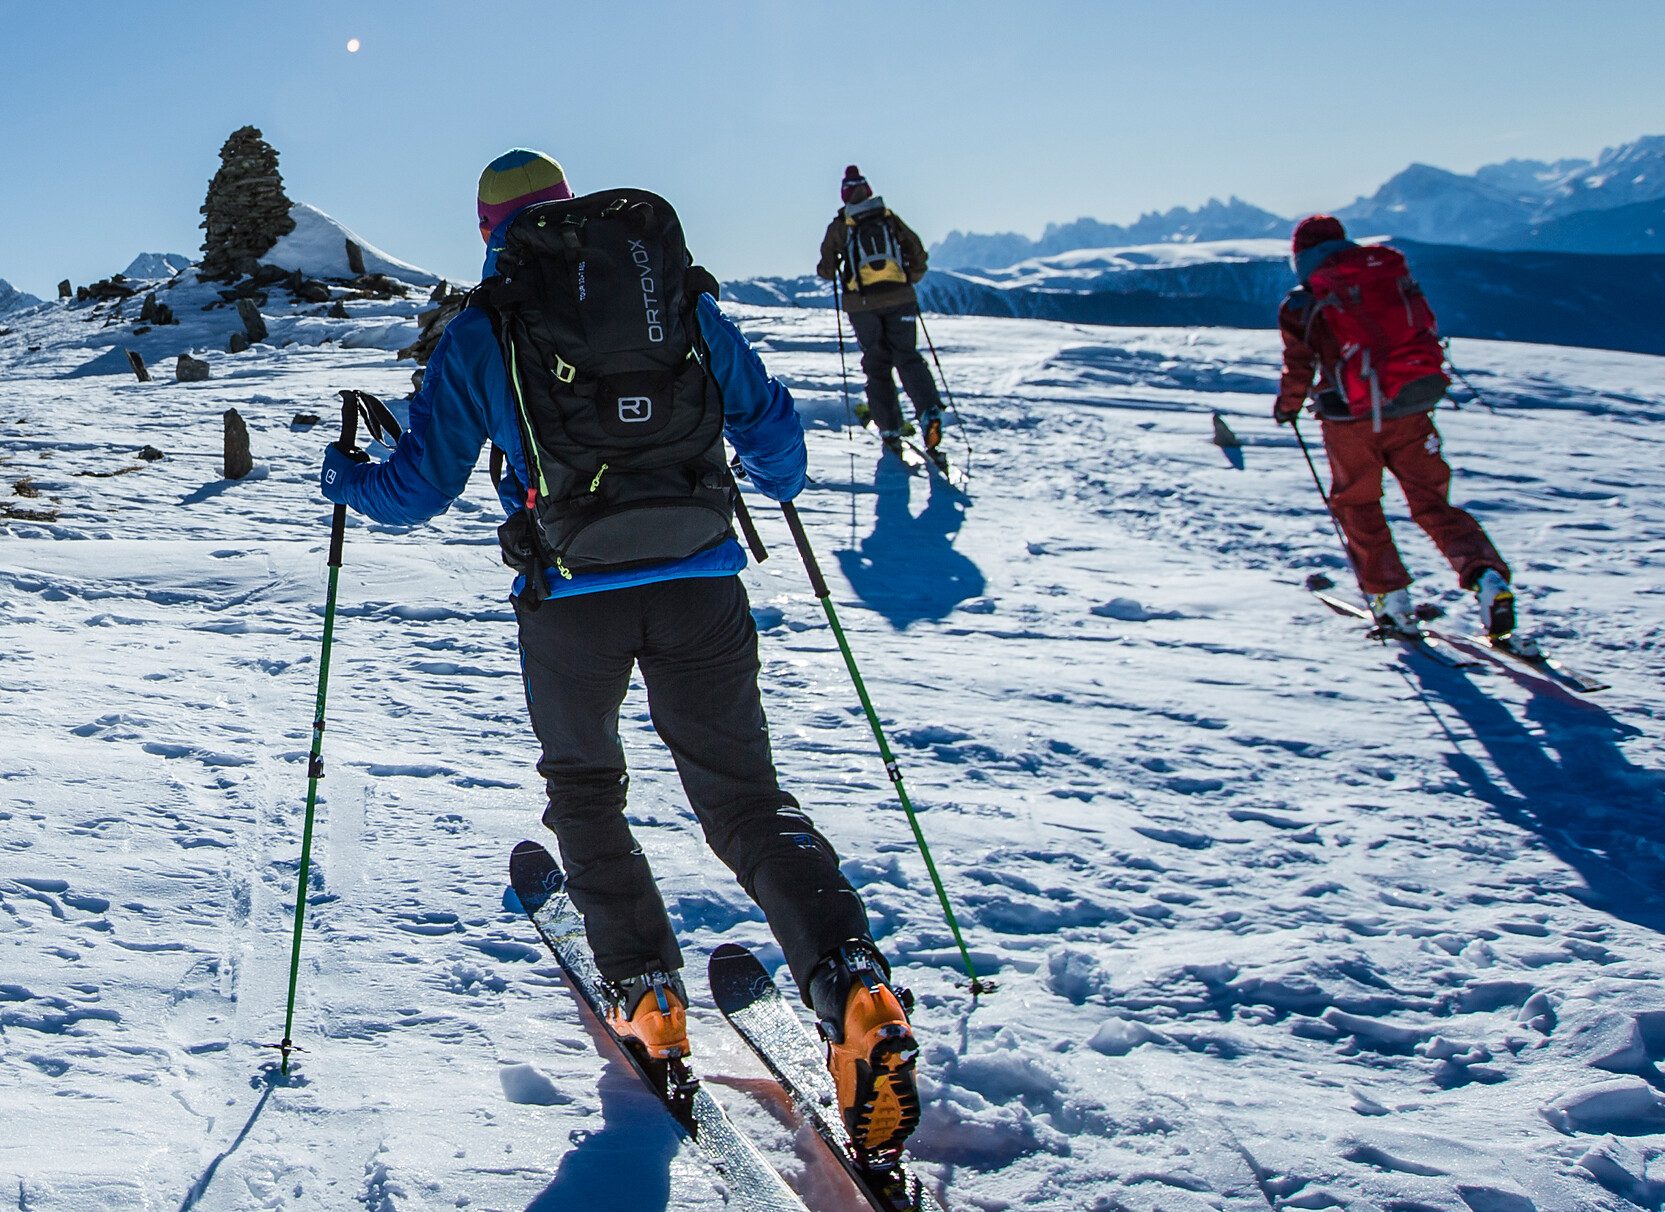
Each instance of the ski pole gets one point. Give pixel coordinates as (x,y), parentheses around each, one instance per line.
(819,584)
(931,345)
(315,763)
(849,413)
(1335,522)
(1473,390)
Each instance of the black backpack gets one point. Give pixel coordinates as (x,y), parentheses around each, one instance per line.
(621,423)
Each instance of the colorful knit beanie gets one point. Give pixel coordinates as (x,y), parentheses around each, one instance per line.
(517,179)
(855,187)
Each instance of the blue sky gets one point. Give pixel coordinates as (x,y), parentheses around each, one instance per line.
(966,114)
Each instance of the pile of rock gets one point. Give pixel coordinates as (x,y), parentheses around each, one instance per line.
(246,210)
(449,304)
(113,287)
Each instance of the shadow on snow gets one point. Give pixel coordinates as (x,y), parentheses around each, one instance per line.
(908,569)
(1568,782)
(626,1166)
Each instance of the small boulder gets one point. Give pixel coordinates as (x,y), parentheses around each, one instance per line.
(253,323)
(149,453)
(238,343)
(190,370)
(238,461)
(65,291)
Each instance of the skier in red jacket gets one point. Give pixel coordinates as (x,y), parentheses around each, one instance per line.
(1360,340)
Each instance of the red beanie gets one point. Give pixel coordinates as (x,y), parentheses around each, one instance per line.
(1317,229)
(854,187)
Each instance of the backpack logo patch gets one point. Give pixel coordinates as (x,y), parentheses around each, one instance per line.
(633,410)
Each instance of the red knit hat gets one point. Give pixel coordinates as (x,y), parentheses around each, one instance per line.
(854,187)
(1317,229)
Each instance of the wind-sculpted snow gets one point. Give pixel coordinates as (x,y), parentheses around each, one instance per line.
(1280,917)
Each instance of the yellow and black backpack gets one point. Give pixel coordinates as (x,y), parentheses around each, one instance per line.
(872,252)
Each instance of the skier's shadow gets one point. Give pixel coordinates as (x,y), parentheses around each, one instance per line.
(908,569)
(626,1166)
(1569,783)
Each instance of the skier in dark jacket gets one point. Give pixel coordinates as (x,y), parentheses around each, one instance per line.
(879,259)
(687,624)
(1398,435)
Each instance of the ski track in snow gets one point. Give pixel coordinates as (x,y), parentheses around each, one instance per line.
(1280,918)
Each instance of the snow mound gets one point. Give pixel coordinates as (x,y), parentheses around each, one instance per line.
(318,248)
(146,266)
(12,299)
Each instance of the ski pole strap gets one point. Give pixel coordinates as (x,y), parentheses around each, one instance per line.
(795,524)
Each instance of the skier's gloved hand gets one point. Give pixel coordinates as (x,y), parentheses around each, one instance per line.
(337,470)
(701,281)
(1284,415)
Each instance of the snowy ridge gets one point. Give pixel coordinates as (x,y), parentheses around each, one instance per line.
(318,248)
(1281,917)
(12,299)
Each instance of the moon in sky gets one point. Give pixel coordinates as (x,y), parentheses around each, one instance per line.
(352,46)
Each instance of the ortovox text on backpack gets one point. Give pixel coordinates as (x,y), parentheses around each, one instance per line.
(620,421)
(872,251)
(1383,324)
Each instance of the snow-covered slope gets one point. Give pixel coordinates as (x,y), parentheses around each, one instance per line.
(12,299)
(1281,918)
(318,247)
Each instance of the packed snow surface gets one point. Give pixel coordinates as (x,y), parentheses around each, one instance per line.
(1280,917)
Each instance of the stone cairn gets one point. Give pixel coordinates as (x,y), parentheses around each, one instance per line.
(246,210)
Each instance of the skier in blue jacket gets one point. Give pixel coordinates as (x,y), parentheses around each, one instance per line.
(687,623)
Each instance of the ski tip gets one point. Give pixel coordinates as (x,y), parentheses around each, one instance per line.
(730,951)
(738,978)
(534,876)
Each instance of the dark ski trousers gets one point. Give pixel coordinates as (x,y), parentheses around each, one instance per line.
(697,646)
(1409,447)
(888,339)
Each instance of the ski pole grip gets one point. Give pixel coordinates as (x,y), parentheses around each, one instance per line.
(349,422)
(349,439)
(795,524)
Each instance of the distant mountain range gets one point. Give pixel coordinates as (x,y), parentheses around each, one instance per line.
(1613,204)
(1603,302)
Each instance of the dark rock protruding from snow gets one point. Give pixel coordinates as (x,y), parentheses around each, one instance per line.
(249,312)
(190,370)
(65,290)
(238,461)
(448,305)
(246,209)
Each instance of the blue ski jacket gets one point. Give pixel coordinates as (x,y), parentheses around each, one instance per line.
(465,399)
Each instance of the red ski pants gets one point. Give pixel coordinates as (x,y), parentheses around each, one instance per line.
(1409,447)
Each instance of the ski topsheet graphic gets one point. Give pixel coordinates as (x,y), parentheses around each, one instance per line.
(751,1181)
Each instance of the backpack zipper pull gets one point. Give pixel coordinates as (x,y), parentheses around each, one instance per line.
(595,483)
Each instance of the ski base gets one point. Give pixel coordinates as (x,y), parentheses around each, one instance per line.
(1425,643)
(751,1181)
(752,1003)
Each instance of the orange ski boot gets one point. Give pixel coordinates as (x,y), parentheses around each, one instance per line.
(931,423)
(650,1011)
(870,1048)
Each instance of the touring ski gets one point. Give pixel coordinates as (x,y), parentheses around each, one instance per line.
(1526,652)
(751,1182)
(1420,641)
(754,1007)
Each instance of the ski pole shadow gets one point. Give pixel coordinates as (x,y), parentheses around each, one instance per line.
(1565,780)
(270,1078)
(626,1166)
(908,569)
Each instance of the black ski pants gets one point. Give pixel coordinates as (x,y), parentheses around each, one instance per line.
(888,338)
(697,646)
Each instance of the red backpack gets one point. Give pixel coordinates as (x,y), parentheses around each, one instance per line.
(1382,321)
